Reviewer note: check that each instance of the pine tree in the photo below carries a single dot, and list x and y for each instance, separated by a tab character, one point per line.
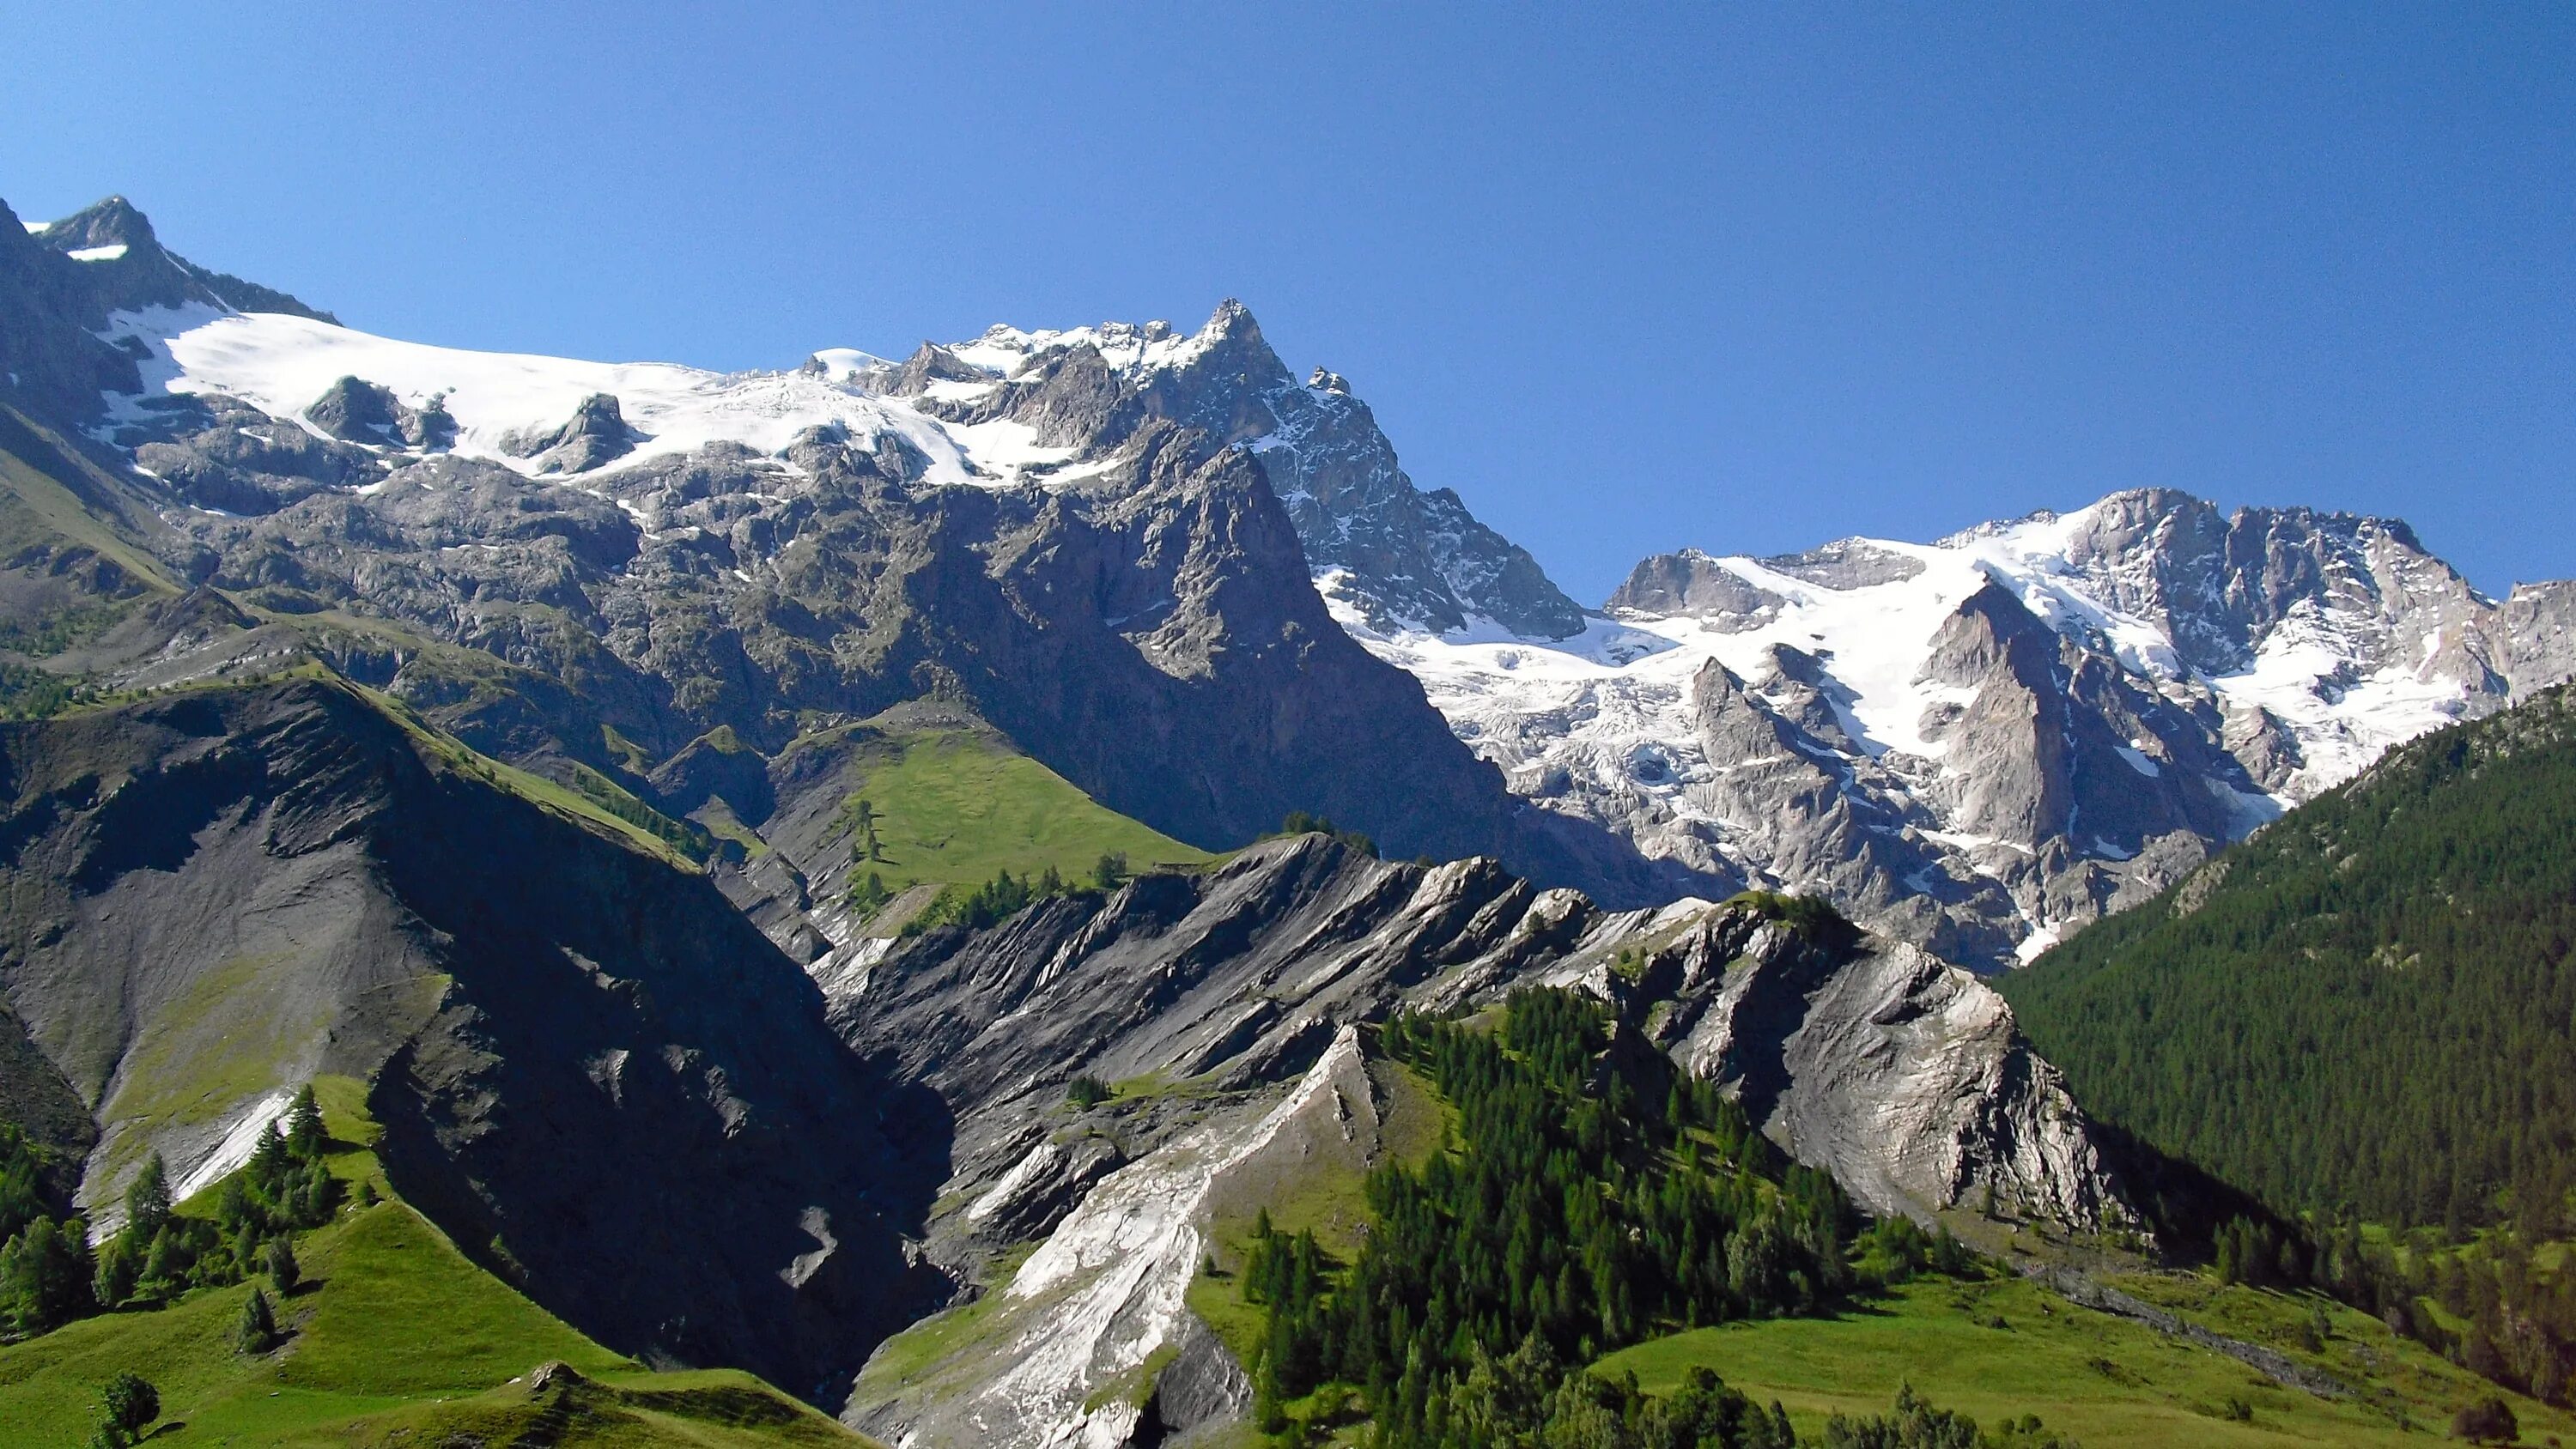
283	1270
257	1330
304	1125
147	1199
119	1263
45	1275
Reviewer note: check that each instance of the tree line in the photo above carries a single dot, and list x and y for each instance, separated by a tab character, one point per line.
2373	1009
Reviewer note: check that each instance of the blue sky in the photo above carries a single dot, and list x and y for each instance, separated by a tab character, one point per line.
1745	278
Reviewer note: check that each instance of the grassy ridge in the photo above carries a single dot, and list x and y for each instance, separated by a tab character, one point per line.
396	1339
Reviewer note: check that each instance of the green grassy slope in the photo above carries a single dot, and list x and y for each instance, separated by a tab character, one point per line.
955	806
2104	1380
39	506
396	1339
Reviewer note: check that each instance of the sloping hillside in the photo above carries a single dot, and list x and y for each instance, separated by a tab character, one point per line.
2369	1003
584	1059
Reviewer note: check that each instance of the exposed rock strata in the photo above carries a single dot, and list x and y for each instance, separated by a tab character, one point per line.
1206	994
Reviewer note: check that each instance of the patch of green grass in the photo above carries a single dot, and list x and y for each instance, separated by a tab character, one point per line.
1328	1197
395	1338
34	503
956	807
2102	1379
905	1356
720	821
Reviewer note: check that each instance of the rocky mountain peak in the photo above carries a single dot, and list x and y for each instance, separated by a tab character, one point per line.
111	222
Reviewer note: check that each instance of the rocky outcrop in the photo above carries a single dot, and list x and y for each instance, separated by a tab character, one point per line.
1902	1075
597	434
354	410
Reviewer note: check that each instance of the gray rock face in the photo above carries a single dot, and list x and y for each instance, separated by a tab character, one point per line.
354	410
596	435
53	358
1903	1075
1399	556
1979	744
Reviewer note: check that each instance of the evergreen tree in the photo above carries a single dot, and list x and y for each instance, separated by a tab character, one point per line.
23	1198
283	1270
45	1275
304	1125
1110	871
256	1331
119	1263
147	1199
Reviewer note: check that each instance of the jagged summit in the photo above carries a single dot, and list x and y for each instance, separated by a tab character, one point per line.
1400	558
113	221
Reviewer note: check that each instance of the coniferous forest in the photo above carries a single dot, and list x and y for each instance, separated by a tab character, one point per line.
2369	1006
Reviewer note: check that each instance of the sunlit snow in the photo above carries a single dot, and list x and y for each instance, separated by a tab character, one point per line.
281	365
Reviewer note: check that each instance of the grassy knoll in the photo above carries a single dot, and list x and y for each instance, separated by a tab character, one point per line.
395	1338
37	508
2102	1379
954	807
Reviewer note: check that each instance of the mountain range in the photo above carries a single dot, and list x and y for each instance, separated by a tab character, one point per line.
672	794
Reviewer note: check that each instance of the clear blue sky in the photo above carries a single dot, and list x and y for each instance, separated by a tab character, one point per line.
1745	278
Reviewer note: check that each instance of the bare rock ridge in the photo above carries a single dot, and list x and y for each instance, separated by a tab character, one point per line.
1902	1075
581	1056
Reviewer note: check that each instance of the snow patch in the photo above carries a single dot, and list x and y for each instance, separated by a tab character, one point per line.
109	253
280	364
